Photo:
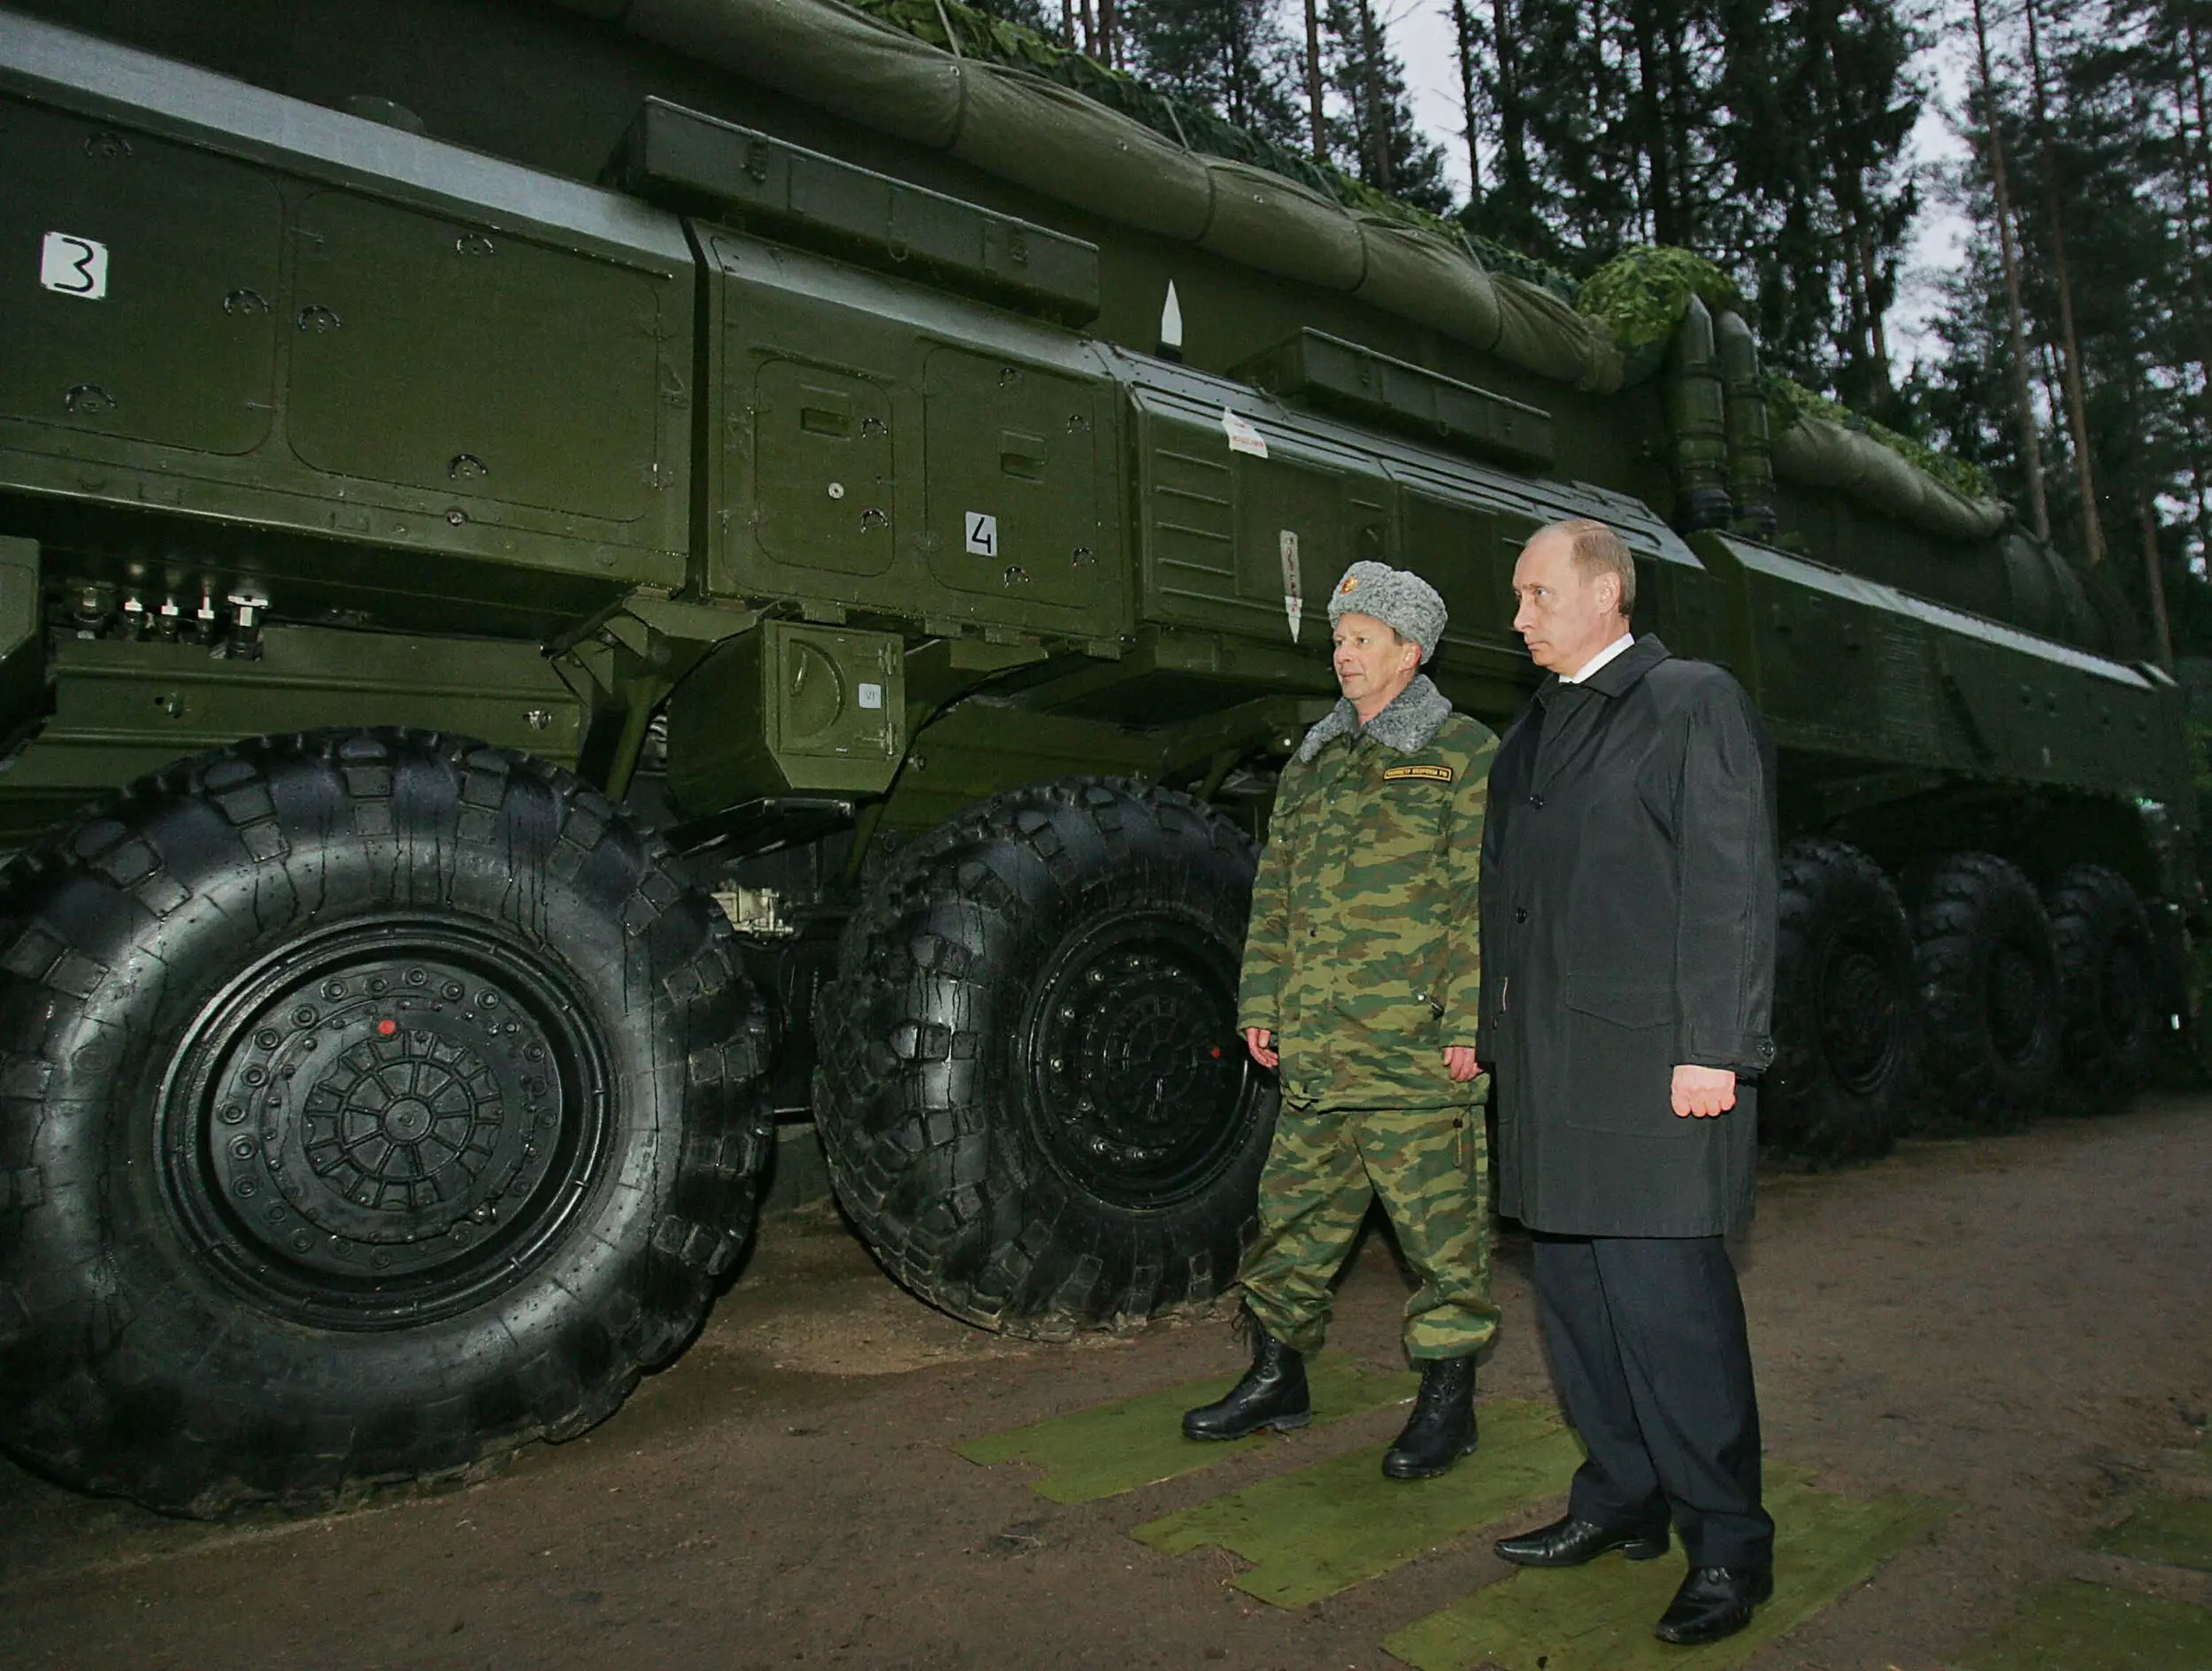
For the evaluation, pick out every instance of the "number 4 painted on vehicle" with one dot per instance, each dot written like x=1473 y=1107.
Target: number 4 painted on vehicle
x=74 y=265
x=982 y=534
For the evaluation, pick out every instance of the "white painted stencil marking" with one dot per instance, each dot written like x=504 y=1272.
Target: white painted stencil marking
x=1294 y=581
x=74 y=265
x=1243 y=437
x=982 y=534
x=872 y=696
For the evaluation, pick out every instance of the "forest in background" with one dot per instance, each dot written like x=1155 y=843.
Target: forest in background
x=2073 y=344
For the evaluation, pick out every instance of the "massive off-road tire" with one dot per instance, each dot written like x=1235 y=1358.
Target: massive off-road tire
x=1844 y=1030
x=372 y=1102
x=2107 y=980
x=1988 y=988
x=1034 y=1096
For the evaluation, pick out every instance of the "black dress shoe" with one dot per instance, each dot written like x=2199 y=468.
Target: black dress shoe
x=1713 y=1602
x=1571 y=1542
x=1441 y=1429
x=1273 y=1394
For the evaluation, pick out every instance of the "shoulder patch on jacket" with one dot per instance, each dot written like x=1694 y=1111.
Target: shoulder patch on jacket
x=1433 y=774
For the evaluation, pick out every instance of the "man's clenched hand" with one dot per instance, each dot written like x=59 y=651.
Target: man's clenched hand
x=1701 y=1092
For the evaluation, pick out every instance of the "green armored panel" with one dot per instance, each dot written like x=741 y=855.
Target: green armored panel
x=22 y=637
x=1239 y=521
x=1331 y=372
x=1466 y=549
x=157 y=278
x=1836 y=669
x=1245 y=506
x=788 y=708
x=123 y=708
x=1013 y=481
x=823 y=469
x=244 y=308
x=434 y=353
x=677 y=156
x=880 y=444
x=1852 y=667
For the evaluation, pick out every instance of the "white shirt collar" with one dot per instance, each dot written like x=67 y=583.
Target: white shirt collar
x=1582 y=674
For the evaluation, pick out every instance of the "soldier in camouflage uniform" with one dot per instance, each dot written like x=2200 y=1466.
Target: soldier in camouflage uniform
x=1360 y=981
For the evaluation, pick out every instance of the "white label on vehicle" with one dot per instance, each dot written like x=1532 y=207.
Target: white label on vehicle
x=1294 y=581
x=74 y=265
x=982 y=534
x=1243 y=437
x=872 y=696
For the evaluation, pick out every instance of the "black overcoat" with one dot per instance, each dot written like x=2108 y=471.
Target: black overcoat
x=1628 y=919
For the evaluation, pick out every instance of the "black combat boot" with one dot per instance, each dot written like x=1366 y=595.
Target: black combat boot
x=1441 y=1429
x=1273 y=1394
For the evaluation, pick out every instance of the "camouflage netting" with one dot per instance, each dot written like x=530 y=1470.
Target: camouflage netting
x=940 y=74
x=1641 y=293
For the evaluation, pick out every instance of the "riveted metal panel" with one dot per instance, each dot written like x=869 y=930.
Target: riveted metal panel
x=824 y=473
x=1013 y=479
x=142 y=281
x=436 y=353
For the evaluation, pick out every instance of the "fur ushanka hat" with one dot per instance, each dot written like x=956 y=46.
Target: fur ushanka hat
x=1398 y=597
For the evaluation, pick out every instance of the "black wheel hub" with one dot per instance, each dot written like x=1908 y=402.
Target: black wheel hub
x=1140 y=1090
x=383 y=1125
x=2127 y=1000
x=1859 y=1016
x=2015 y=1003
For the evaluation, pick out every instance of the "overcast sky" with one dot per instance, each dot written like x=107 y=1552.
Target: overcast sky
x=1423 y=37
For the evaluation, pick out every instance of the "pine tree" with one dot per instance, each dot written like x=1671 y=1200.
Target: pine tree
x=1373 y=134
x=1232 y=57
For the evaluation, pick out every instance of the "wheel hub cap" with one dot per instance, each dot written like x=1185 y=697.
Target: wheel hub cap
x=1140 y=1088
x=1858 y=1017
x=366 y=1126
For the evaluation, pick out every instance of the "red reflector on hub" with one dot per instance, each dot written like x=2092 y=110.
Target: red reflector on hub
x=385 y=1028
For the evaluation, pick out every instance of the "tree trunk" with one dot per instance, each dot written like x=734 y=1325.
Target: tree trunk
x=2070 y=362
x=1651 y=99
x=1313 y=80
x=2154 y=583
x=1464 y=34
x=1374 y=125
x=1512 y=120
x=2024 y=397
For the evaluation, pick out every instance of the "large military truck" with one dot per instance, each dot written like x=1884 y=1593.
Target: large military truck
x=578 y=581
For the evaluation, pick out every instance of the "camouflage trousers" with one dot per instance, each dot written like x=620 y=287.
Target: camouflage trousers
x=1431 y=1168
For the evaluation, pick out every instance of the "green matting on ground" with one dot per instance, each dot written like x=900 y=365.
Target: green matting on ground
x=2176 y=1530
x=1326 y=1527
x=1112 y=1448
x=2083 y=1627
x=1598 y=1617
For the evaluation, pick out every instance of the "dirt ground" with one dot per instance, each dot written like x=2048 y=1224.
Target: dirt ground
x=2018 y=1325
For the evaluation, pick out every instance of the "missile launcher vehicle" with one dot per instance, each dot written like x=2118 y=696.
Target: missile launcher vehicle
x=577 y=581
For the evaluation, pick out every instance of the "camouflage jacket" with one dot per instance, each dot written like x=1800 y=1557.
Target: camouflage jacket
x=1362 y=955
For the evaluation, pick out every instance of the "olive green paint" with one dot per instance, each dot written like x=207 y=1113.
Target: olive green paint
x=1598 y=1617
x=1113 y=1448
x=398 y=384
x=2176 y=1530
x=1312 y=1534
x=2077 y=1626
x=685 y=159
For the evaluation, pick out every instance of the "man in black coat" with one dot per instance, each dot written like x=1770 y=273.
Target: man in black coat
x=1628 y=923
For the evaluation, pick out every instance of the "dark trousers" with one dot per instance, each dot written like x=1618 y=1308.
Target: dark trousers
x=1647 y=1343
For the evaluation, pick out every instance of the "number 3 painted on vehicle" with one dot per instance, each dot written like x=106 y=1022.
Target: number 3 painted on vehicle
x=74 y=265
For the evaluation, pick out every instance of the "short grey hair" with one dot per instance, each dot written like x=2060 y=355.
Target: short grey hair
x=1598 y=549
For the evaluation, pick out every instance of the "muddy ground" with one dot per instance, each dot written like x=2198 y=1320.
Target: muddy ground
x=2018 y=1325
